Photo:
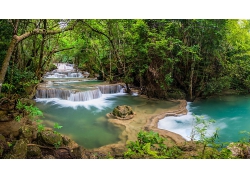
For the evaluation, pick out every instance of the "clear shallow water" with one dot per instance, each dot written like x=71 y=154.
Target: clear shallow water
x=86 y=122
x=231 y=113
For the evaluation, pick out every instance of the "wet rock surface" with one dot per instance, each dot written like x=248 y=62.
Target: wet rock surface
x=122 y=112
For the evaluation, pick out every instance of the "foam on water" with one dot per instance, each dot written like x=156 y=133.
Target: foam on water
x=184 y=124
x=99 y=103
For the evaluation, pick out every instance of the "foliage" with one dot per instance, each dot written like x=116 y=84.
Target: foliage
x=209 y=147
x=57 y=144
x=150 y=145
x=18 y=81
x=40 y=127
x=199 y=57
x=33 y=112
x=18 y=118
x=56 y=126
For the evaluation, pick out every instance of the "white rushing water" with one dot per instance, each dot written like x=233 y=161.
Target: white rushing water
x=73 y=95
x=100 y=103
x=184 y=124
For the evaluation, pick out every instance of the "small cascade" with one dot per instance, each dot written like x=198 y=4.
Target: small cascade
x=65 y=70
x=68 y=94
x=80 y=75
x=110 y=89
x=85 y=95
x=53 y=93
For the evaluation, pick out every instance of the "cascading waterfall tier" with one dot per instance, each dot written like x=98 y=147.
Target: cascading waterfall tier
x=70 y=95
x=65 y=70
x=85 y=95
x=110 y=89
x=73 y=95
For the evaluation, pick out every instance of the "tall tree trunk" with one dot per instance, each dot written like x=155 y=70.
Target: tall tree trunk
x=39 y=68
x=191 y=83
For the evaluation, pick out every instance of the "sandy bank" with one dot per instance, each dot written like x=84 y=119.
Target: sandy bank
x=145 y=121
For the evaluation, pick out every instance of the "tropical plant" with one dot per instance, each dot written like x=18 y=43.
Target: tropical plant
x=150 y=145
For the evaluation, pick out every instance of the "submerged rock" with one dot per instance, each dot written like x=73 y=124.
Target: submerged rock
x=123 y=112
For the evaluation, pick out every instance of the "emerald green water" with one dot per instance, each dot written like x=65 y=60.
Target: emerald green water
x=86 y=122
x=231 y=113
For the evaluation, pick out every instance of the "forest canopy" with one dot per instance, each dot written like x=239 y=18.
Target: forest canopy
x=165 y=58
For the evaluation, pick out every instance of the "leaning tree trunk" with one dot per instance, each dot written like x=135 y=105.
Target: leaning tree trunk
x=6 y=62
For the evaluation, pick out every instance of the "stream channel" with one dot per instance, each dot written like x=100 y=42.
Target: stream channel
x=80 y=105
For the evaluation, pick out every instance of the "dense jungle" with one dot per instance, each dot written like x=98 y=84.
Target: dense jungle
x=177 y=60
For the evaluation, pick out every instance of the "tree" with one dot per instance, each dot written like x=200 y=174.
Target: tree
x=19 y=38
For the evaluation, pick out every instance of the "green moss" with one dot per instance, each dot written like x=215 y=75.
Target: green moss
x=34 y=152
x=26 y=131
x=50 y=138
x=122 y=111
x=19 y=150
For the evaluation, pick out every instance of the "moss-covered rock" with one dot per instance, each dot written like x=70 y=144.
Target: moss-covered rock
x=28 y=131
x=10 y=127
x=27 y=102
x=49 y=157
x=19 y=150
x=4 y=116
x=49 y=137
x=3 y=145
x=123 y=112
x=69 y=143
x=34 y=152
x=239 y=150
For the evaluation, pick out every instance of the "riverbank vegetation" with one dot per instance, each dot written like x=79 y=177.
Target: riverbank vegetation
x=162 y=58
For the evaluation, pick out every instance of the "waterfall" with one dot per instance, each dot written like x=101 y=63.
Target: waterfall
x=53 y=93
x=85 y=95
x=110 y=89
x=68 y=94
x=75 y=75
x=65 y=70
x=73 y=95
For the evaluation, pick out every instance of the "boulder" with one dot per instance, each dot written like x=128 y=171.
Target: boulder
x=5 y=116
x=19 y=150
x=123 y=112
x=28 y=102
x=10 y=127
x=28 y=131
x=34 y=152
x=3 y=145
x=49 y=137
x=69 y=142
x=239 y=150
